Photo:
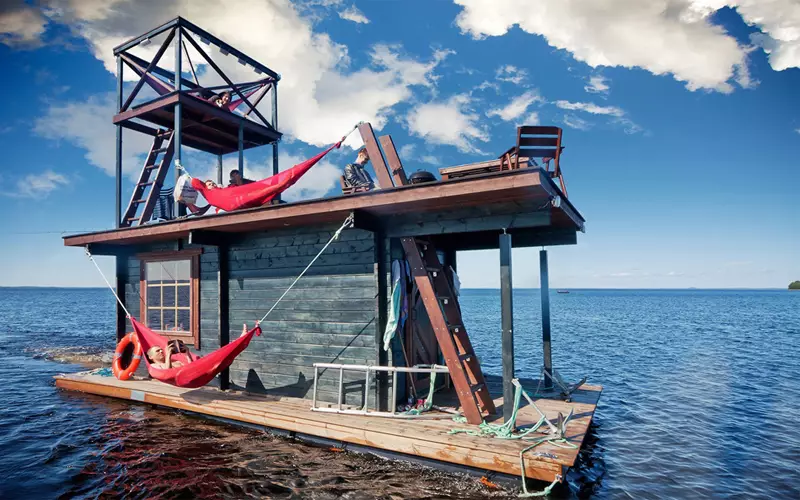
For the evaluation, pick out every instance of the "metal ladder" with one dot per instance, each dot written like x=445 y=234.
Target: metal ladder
x=142 y=196
x=368 y=376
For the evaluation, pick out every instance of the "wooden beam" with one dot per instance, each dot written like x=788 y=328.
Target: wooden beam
x=223 y=311
x=545 y=293
x=393 y=159
x=366 y=221
x=523 y=238
x=507 y=315
x=375 y=156
x=212 y=238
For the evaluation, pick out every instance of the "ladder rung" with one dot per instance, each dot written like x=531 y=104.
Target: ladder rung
x=160 y=150
x=140 y=200
x=131 y=219
x=146 y=183
x=466 y=356
x=433 y=269
x=150 y=167
x=445 y=299
x=477 y=387
x=454 y=329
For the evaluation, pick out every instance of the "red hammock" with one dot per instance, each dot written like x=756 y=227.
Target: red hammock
x=201 y=370
x=260 y=192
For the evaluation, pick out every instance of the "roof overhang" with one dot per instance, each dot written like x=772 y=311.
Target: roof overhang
x=515 y=200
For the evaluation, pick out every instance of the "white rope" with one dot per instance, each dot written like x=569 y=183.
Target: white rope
x=89 y=254
x=346 y=223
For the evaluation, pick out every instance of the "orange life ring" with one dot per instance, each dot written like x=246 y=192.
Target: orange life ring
x=124 y=373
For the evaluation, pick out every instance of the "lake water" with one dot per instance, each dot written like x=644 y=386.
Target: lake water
x=701 y=397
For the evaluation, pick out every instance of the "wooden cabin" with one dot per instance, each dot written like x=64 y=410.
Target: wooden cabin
x=200 y=278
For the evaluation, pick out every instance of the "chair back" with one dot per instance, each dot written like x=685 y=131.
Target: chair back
x=540 y=142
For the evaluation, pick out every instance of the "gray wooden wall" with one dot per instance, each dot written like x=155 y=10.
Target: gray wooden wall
x=330 y=316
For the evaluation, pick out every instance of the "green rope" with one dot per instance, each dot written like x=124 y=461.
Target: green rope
x=426 y=406
x=506 y=431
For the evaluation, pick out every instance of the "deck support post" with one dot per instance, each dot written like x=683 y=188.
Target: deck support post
x=545 y=293
x=219 y=170
x=241 y=148
x=275 y=169
x=178 y=116
x=223 y=316
x=118 y=189
x=121 y=270
x=507 y=314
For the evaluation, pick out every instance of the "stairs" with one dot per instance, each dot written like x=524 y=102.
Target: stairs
x=148 y=187
x=444 y=313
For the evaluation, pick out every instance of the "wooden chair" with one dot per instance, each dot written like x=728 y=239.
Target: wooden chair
x=536 y=142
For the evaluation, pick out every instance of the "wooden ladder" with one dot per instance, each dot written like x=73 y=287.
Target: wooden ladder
x=147 y=190
x=437 y=295
x=444 y=313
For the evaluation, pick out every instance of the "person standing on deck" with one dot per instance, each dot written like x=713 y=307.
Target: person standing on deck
x=356 y=175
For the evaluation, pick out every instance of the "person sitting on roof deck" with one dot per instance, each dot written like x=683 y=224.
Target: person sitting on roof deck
x=356 y=175
x=163 y=360
x=220 y=100
x=237 y=179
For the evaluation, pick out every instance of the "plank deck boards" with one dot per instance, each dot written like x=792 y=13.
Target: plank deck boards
x=422 y=438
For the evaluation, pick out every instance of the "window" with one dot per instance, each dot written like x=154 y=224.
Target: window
x=170 y=294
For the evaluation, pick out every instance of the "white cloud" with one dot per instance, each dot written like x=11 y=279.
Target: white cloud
x=38 y=185
x=511 y=74
x=573 y=121
x=797 y=130
x=517 y=106
x=409 y=152
x=320 y=94
x=488 y=85
x=449 y=122
x=21 y=24
x=674 y=37
x=353 y=14
x=589 y=107
x=532 y=119
x=598 y=84
x=88 y=125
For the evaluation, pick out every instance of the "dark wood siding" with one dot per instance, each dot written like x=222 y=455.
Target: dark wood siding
x=330 y=316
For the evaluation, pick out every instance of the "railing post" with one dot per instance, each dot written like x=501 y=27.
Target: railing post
x=178 y=111
x=118 y=188
x=275 y=168
x=545 y=293
x=241 y=147
x=219 y=170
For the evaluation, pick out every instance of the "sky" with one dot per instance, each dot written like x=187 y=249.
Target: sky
x=681 y=120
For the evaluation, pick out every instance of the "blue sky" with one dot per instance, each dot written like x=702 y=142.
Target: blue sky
x=681 y=122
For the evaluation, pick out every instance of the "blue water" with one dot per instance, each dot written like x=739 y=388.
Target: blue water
x=701 y=397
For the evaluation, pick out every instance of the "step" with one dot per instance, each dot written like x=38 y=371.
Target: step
x=146 y=183
x=466 y=356
x=160 y=150
x=150 y=167
x=140 y=200
x=477 y=387
x=131 y=219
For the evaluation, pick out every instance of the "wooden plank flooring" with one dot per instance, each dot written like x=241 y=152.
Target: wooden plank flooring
x=423 y=438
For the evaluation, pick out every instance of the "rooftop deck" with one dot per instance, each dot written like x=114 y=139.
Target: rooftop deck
x=421 y=438
x=525 y=201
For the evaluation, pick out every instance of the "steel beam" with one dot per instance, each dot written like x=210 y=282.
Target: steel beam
x=275 y=168
x=150 y=34
x=545 y=293
x=507 y=315
x=118 y=172
x=178 y=131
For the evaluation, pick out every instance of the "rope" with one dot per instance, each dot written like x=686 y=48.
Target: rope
x=347 y=222
x=89 y=254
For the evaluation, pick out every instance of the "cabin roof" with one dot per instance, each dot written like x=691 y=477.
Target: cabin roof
x=519 y=201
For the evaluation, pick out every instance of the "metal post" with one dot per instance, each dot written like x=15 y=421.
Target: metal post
x=241 y=147
x=219 y=170
x=366 y=391
x=341 y=386
x=178 y=110
x=507 y=314
x=314 y=395
x=393 y=402
x=545 y=293
x=118 y=209
x=275 y=169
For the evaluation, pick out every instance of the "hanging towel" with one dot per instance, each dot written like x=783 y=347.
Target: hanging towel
x=398 y=309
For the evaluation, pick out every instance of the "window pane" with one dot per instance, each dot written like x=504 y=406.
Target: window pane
x=153 y=296
x=152 y=272
x=154 y=319
x=183 y=270
x=169 y=296
x=169 y=319
x=184 y=295
x=184 y=320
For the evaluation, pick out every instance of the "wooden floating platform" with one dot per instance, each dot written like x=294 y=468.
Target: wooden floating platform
x=420 y=438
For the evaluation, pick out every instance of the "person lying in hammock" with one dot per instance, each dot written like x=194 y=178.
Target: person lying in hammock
x=221 y=100
x=163 y=360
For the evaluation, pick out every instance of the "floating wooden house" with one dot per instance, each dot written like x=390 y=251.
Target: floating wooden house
x=199 y=278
